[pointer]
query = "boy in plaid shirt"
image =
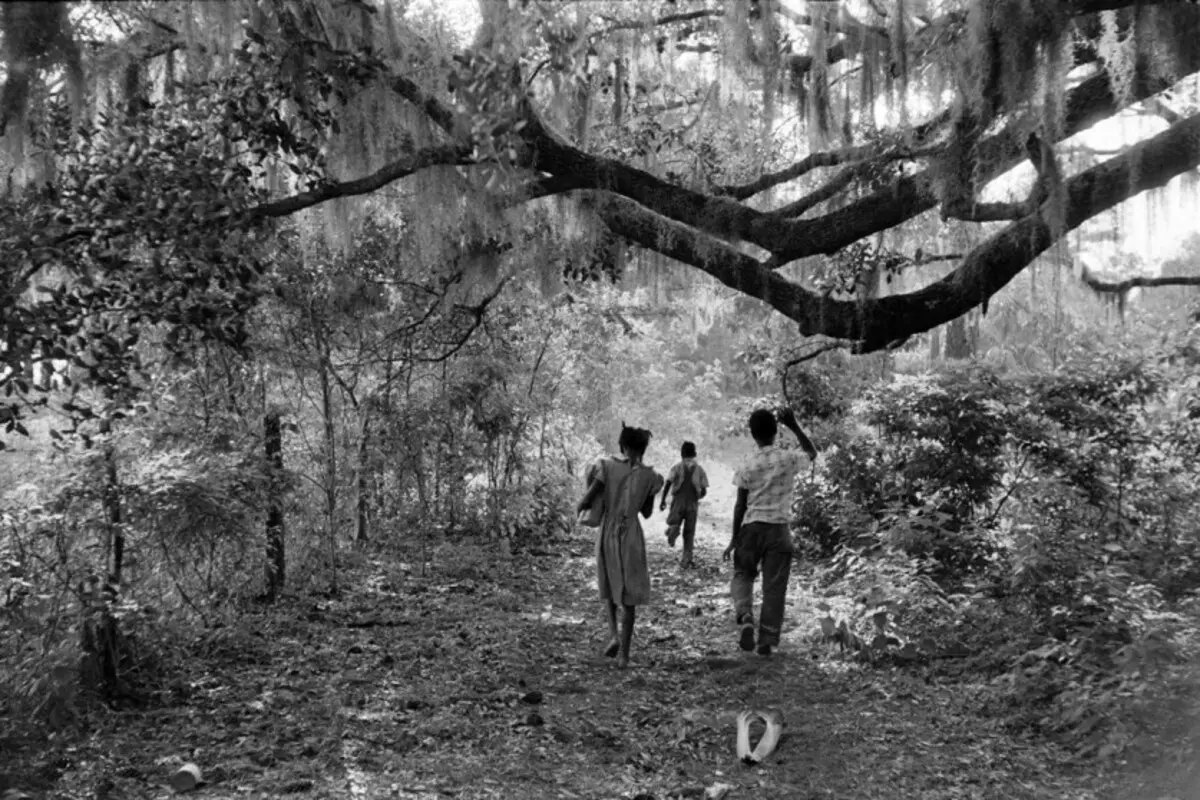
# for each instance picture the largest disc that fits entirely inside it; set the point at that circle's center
(761, 539)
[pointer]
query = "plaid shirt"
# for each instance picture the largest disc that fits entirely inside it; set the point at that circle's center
(769, 476)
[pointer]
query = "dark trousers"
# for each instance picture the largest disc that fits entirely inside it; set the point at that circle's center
(682, 516)
(767, 548)
(689, 534)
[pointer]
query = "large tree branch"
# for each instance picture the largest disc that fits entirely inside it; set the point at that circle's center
(832, 158)
(826, 191)
(790, 239)
(445, 154)
(438, 112)
(873, 323)
(1141, 281)
(722, 216)
(543, 187)
(1080, 7)
(1090, 102)
(665, 19)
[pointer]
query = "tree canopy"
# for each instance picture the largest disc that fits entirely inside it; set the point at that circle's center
(334, 302)
(154, 150)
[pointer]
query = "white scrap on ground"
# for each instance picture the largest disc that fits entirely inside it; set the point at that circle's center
(770, 738)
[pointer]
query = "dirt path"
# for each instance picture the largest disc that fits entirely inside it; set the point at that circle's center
(484, 680)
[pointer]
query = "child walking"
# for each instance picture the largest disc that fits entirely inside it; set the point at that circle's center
(761, 540)
(687, 484)
(627, 487)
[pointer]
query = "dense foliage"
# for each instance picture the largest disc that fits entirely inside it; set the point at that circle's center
(1041, 524)
(280, 281)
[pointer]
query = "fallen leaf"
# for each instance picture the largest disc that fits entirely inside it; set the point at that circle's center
(717, 791)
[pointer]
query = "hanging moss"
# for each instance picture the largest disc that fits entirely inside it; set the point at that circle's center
(818, 113)
(1116, 50)
(1053, 89)
(847, 116)
(770, 57)
(899, 41)
(1008, 40)
(868, 86)
(737, 41)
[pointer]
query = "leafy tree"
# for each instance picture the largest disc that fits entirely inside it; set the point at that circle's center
(740, 139)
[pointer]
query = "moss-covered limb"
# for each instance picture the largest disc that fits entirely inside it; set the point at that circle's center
(878, 152)
(826, 191)
(663, 20)
(438, 112)
(983, 271)
(966, 210)
(789, 239)
(438, 155)
(856, 36)
(1081, 7)
(784, 236)
(1098, 284)
(1047, 185)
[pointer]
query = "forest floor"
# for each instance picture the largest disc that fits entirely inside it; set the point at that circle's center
(483, 678)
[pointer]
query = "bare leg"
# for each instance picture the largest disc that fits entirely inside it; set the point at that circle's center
(626, 635)
(613, 642)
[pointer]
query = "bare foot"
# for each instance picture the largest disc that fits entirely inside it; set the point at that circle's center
(613, 648)
(623, 661)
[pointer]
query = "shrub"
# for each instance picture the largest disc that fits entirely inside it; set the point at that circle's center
(1055, 512)
(916, 478)
(69, 633)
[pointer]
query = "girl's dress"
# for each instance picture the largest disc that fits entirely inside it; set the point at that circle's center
(621, 570)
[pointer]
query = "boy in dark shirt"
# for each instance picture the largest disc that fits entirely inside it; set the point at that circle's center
(689, 484)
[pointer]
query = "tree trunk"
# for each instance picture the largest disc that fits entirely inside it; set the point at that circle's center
(959, 342)
(114, 549)
(273, 445)
(618, 91)
(330, 434)
(100, 637)
(361, 534)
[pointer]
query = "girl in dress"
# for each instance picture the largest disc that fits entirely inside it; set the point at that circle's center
(627, 487)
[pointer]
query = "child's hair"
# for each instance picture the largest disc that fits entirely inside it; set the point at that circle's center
(688, 450)
(634, 440)
(763, 426)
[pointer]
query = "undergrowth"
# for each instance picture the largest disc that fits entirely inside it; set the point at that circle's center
(1034, 537)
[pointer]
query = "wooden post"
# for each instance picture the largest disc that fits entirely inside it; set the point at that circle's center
(273, 444)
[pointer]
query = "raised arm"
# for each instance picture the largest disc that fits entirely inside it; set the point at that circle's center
(787, 418)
